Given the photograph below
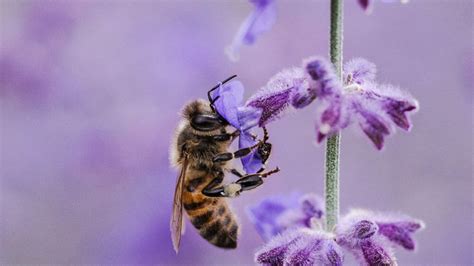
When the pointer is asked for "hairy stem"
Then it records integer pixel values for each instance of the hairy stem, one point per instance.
(331, 188)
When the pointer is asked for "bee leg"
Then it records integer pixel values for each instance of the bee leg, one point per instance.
(222, 137)
(245, 183)
(212, 189)
(227, 156)
(265, 135)
(252, 181)
(261, 169)
(226, 136)
(236, 172)
(215, 189)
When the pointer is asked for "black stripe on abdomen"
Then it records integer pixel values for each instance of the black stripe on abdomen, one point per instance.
(211, 231)
(202, 219)
(196, 204)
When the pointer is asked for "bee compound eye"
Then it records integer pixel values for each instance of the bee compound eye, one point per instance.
(206, 122)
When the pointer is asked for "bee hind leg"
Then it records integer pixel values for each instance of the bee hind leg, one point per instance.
(212, 189)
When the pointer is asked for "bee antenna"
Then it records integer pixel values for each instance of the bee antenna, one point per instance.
(211, 100)
(265, 134)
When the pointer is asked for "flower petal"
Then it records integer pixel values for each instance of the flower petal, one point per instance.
(248, 117)
(272, 106)
(312, 205)
(396, 103)
(258, 22)
(365, 4)
(314, 248)
(230, 97)
(360, 71)
(251, 162)
(398, 228)
(331, 116)
(276, 214)
(323, 78)
(274, 252)
(354, 227)
(288, 88)
(373, 121)
(264, 215)
(398, 233)
(375, 254)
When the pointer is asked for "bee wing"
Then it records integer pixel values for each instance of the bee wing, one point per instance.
(176, 224)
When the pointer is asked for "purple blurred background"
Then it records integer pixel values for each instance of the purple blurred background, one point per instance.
(90, 93)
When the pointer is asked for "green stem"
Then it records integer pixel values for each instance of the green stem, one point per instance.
(331, 189)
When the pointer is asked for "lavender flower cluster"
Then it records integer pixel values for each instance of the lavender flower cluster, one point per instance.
(292, 227)
(376, 108)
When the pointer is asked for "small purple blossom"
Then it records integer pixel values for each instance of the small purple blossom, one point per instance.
(286, 90)
(301, 247)
(274, 252)
(376, 108)
(398, 229)
(243, 118)
(367, 5)
(314, 248)
(274, 215)
(258, 22)
(369, 236)
(373, 253)
(262, 19)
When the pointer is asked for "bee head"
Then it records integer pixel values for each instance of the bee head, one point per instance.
(202, 118)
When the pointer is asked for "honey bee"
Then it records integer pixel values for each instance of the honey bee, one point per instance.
(200, 151)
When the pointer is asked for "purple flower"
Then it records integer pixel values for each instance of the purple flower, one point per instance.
(372, 253)
(376, 108)
(274, 215)
(274, 253)
(370, 237)
(286, 90)
(243, 118)
(398, 229)
(259, 21)
(301, 247)
(358, 234)
(367, 5)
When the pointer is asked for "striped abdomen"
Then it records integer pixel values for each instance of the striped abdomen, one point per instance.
(211, 216)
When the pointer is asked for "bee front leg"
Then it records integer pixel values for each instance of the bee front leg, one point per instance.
(227, 156)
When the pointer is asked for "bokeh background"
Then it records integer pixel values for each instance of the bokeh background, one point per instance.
(90, 93)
